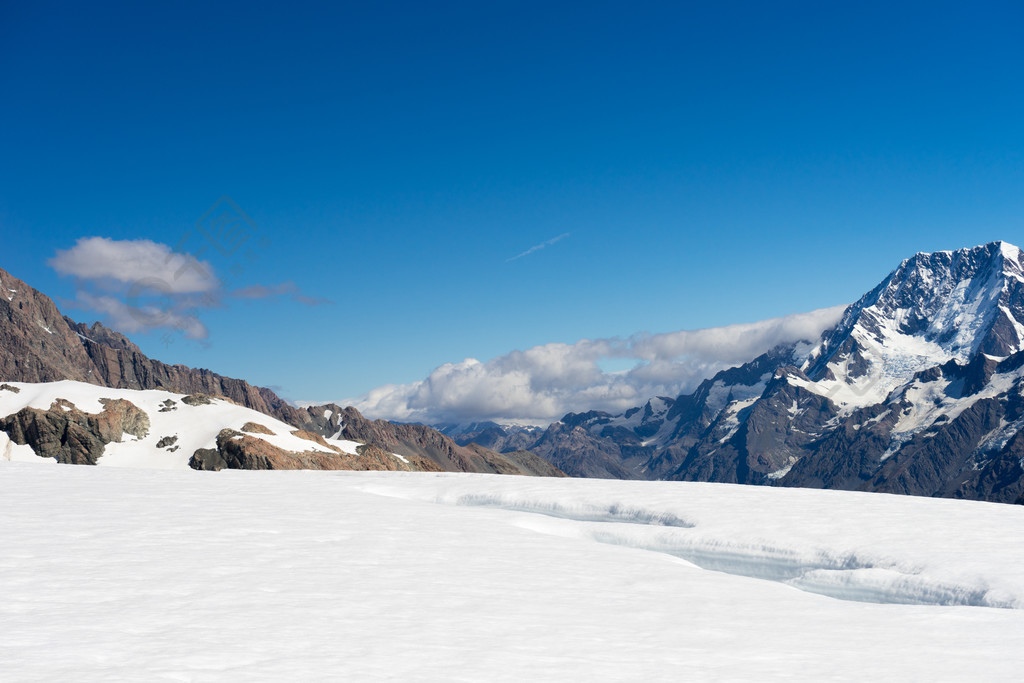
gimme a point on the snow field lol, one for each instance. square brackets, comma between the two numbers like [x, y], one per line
[135, 574]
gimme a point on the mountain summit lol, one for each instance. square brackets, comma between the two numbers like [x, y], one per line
[917, 390]
[934, 308]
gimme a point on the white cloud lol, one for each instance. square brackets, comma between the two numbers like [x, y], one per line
[141, 285]
[135, 261]
[541, 384]
[141, 317]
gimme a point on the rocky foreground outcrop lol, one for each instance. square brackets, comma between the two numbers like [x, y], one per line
[71, 436]
[240, 451]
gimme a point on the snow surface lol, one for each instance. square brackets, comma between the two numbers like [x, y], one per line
[137, 574]
[891, 364]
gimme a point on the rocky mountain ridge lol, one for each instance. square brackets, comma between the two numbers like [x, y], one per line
[38, 344]
[497, 437]
[917, 390]
[421, 441]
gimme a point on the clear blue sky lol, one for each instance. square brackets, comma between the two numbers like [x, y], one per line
[711, 163]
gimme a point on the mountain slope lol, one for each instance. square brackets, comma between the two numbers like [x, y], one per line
[917, 390]
[39, 345]
[501, 438]
[79, 423]
[420, 441]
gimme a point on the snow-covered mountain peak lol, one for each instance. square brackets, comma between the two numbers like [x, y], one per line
[919, 389]
[935, 307]
[952, 298]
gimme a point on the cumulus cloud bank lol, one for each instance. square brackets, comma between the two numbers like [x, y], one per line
[541, 384]
[141, 285]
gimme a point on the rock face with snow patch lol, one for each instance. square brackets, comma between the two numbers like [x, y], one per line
[239, 451]
[203, 432]
[70, 436]
[917, 390]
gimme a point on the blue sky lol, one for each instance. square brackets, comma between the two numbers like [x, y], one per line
[703, 164]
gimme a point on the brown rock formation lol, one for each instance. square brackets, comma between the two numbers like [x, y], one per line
[256, 428]
[315, 438]
[71, 436]
[423, 442]
[244, 452]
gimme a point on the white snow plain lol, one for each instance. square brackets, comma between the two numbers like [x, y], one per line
[142, 574]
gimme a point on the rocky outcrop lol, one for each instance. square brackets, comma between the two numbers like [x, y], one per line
[256, 428]
[71, 436]
[168, 442]
[419, 441]
[315, 438]
[239, 451]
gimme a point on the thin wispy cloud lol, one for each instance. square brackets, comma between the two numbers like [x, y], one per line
[288, 289]
[538, 247]
[141, 285]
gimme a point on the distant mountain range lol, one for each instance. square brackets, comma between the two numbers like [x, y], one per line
[917, 390]
[40, 345]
